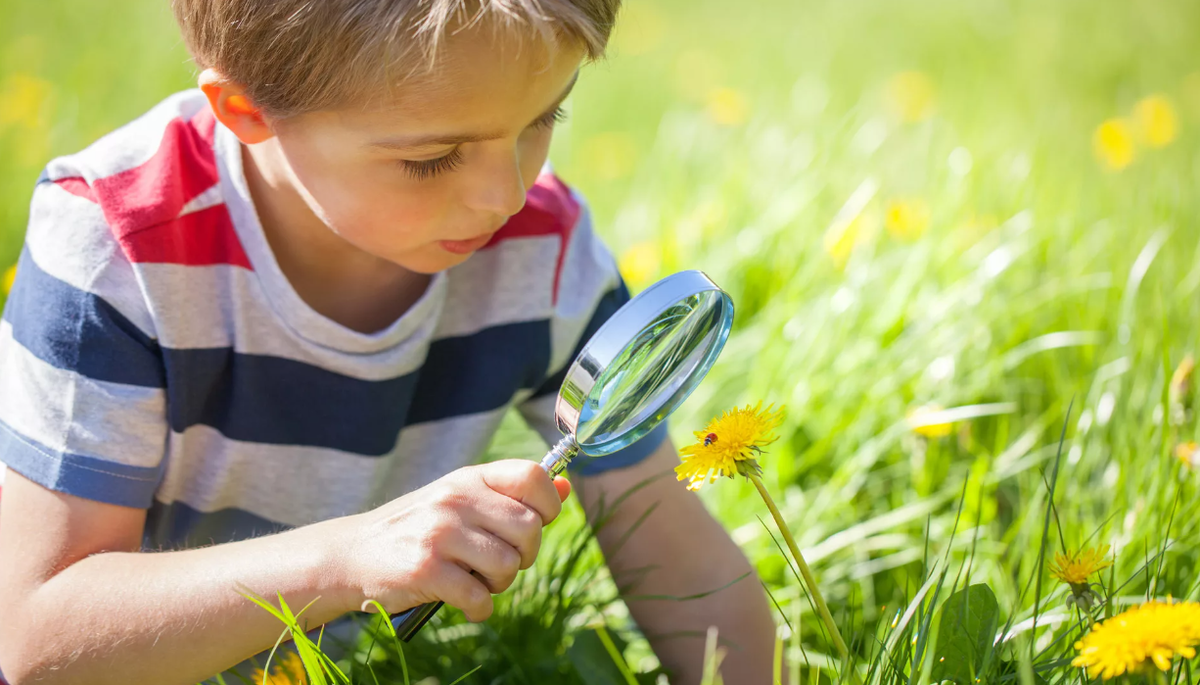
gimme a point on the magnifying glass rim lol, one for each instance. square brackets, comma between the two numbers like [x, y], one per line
[615, 334]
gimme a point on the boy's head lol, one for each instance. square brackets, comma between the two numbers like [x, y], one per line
[411, 128]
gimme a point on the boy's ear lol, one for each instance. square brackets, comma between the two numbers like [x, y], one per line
[232, 108]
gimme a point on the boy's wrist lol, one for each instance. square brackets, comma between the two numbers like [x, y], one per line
[330, 575]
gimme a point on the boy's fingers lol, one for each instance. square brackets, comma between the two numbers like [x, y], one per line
[526, 482]
[564, 488]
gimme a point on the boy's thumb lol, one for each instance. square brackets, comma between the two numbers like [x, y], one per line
[564, 488]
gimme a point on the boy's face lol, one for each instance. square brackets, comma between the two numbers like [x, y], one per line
[427, 180]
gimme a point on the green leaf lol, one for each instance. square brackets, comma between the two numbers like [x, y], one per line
[591, 660]
[966, 630]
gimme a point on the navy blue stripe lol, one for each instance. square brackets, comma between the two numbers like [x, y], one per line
[480, 372]
[75, 330]
[178, 525]
[608, 305]
[76, 474]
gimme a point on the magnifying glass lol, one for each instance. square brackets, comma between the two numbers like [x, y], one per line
[633, 373]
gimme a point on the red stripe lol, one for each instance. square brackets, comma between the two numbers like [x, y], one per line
[75, 185]
[195, 239]
[549, 209]
[142, 204]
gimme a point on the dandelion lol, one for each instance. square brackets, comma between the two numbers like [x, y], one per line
[906, 219]
[1113, 143]
[1156, 121]
[728, 445]
[289, 671]
[925, 421]
[727, 106]
[1074, 570]
[24, 100]
[10, 277]
[910, 96]
[731, 443]
[1180, 392]
[1153, 633]
[1188, 454]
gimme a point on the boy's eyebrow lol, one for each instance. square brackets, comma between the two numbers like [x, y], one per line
[423, 141]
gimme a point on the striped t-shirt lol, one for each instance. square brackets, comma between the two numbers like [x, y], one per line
[152, 353]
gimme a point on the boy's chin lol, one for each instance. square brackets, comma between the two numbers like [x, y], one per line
[433, 259]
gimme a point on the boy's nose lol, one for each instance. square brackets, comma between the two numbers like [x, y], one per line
[501, 189]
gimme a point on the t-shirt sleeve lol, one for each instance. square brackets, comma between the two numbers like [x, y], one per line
[590, 291]
[82, 399]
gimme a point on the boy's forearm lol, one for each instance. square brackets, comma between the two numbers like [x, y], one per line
[168, 617]
[680, 550]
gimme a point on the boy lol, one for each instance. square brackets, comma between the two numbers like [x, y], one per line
[298, 301]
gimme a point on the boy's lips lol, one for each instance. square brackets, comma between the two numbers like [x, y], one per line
[465, 246]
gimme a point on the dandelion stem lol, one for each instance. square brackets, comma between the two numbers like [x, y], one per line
[818, 599]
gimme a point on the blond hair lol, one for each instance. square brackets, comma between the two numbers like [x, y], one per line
[297, 56]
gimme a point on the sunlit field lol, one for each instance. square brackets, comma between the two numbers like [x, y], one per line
[962, 240]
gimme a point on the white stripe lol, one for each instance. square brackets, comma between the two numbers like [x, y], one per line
[69, 239]
[131, 145]
[588, 273]
[508, 283]
[299, 485]
[224, 306]
[209, 198]
[68, 412]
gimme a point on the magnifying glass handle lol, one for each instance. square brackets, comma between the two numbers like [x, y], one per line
[409, 623]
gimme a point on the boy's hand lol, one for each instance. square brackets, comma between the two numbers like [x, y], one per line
[424, 546]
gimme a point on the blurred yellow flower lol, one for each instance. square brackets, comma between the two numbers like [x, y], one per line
[1188, 454]
[1153, 633]
[640, 263]
[840, 241]
[906, 219]
[923, 422]
[1074, 568]
[1156, 121]
[1113, 143]
[289, 671]
[10, 277]
[728, 445]
[640, 30]
[727, 106]
[22, 100]
[911, 95]
[611, 155]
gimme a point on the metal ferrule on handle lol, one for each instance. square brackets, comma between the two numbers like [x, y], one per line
[409, 623]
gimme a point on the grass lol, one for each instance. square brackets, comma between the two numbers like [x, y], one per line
[1021, 277]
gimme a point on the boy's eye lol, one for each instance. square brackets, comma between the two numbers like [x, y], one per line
[548, 121]
[428, 168]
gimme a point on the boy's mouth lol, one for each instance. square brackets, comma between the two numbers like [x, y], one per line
[465, 246]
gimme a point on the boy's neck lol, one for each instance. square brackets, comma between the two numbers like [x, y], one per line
[354, 288]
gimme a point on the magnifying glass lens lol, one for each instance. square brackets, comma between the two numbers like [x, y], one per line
[655, 372]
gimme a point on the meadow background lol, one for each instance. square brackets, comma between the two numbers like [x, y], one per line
[954, 231]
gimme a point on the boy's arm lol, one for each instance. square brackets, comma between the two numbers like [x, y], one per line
[80, 604]
[688, 553]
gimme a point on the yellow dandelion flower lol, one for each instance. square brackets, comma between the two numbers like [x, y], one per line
[24, 100]
[640, 262]
[1188, 454]
[10, 277]
[1155, 632]
[288, 671]
[1113, 143]
[727, 106]
[910, 96]
[924, 421]
[728, 444]
[906, 219]
[1075, 568]
[1156, 121]
[1181, 380]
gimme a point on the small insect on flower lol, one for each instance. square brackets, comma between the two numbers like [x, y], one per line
[744, 431]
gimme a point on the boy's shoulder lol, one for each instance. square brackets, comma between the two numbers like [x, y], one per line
[155, 171]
